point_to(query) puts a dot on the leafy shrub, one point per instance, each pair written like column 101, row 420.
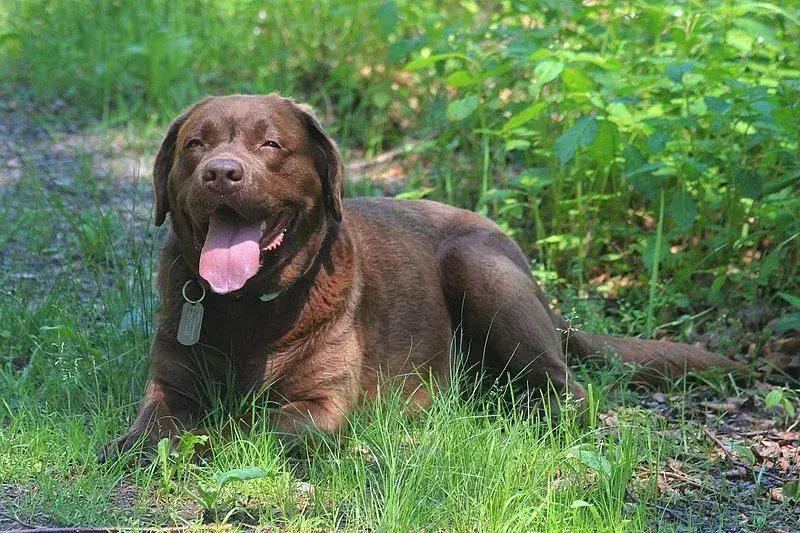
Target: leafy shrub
column 625, row 144
column 633, row 112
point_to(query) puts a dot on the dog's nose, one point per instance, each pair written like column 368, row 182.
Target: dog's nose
column 223, row 175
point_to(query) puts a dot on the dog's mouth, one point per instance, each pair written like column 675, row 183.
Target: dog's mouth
column 232, row 247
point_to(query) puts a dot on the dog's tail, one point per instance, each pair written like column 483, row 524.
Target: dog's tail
column 654, row 361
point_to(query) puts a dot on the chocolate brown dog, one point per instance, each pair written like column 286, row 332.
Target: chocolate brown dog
column 316, row 299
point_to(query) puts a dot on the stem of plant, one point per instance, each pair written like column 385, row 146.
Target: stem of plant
column 656, row 261
column 485, row 147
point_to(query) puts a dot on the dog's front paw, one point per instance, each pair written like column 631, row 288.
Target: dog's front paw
column 147, row 441
column 143, row 440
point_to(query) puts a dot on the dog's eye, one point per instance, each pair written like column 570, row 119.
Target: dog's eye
column 193, row 143
column 270, row 144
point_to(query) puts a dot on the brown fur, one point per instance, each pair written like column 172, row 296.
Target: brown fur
column 372, row 288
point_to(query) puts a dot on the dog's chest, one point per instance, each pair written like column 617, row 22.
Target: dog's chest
column 252, row 337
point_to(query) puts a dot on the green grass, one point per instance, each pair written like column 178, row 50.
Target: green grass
column 74, row 342
column 635, row 150
column 75, row 347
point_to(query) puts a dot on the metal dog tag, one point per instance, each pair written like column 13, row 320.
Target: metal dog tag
column 191, row 318
column 191, row 321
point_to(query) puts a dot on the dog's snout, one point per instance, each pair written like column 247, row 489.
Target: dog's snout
column 223, row 175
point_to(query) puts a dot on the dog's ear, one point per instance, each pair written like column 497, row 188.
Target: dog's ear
column 327, row 160
column 163, row 164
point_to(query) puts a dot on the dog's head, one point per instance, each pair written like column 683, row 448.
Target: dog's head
column 253, row 184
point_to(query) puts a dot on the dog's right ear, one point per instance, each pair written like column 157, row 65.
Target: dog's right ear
column 328, row 160
column 164, row 161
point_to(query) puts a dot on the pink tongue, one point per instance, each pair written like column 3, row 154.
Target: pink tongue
column 231, row 254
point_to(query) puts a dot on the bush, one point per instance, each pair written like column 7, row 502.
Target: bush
column 622, row 143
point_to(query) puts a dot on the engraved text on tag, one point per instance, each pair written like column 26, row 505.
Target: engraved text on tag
column 191, row 321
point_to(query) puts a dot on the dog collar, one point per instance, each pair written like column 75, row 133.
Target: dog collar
column 269, row 296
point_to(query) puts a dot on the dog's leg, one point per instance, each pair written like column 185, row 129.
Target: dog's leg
column 172, row 399
column 492, row 295
column 322, row 388
column 297, row 418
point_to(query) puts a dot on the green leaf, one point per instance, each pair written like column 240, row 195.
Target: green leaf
column 604, row 147
column 682, row 209
column 675, row 71
column 592, row 460
column 770, row 264
column 496, row 194
column 162, row 450
column 739, row 39
column 773, row 399
column 649, row 253
column 423, row 62
column 387, row 17
column 381, row 99
column 761, row 7
column 717, row 105
column 240, row 474
column 577, row 504
column 644, row 181
column 207, row 495
column 460, row 78
column 756, row 30
column 189, row 443
column 658, row 141
column 527, row 114
column 744, row 452
column 793, row 178
column 547, row 71
column 787, row 322
column 534, row 179
column 791, row 298
column 575, row 81
column 791, row 490
column 458, row 110
column 749, row 183
column 512, row 144
column 580, row 134
column 620, row 114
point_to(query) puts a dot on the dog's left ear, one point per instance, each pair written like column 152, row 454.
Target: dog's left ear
column 163, row 164
column 327, row 160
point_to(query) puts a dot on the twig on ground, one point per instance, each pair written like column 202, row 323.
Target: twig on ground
column 385, row 157
column 721, row 445
column 794, row 424
column 759, row 433
column 681, row 477
column 18, row 521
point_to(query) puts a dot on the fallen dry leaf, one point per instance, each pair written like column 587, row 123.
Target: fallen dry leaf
column 767, row 449
column 776, row 494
